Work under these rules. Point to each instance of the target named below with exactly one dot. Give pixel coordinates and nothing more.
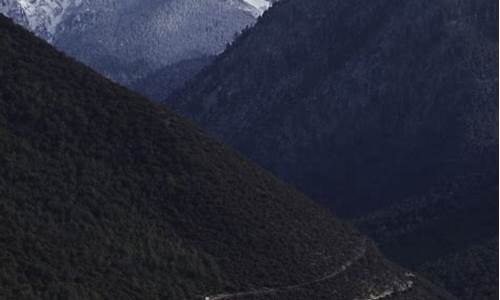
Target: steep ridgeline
(383, 110)
(127, 39)
(105, 195)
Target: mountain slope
(130, 39)
(434, 233)
(126, 40)
(385, 111)
(481, 284)
(107, 195)
(294, 95)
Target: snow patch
(45, 15)
(257, 7)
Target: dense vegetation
(429, 231)
(480, 276)
(386, 111)
(105, 195)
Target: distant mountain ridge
(44, 17)
(128, 39)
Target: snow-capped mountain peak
(45, 15)
(127, 39)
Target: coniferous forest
(318, 149)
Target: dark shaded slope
(104, 194)
(358, 103)
(442, 221)
(446, 234)
(481, 275)
(382, 110)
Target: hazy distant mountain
(383, 110)
(106, 195)
(128, 39)
(158, 85)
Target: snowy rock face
(257, 7)
(13, 9)
(40, 16)
(128, 39)
(44, 16)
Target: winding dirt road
(358, 254)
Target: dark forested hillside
(105, 195)
(386, 111)
(449, 234)
(347, 99)
(472, 265)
